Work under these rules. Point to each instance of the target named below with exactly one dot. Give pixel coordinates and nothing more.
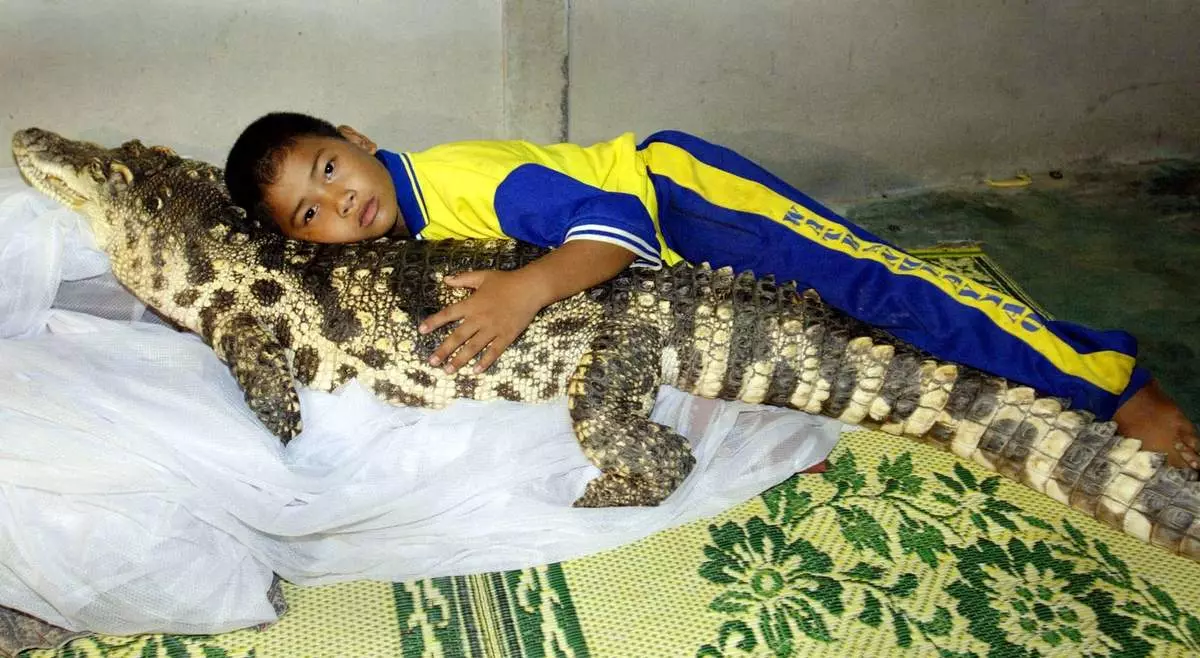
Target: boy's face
(332, 190)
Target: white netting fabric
(139, 493)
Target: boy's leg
(719, 207)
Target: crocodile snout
(30, 140)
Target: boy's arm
(504, 302)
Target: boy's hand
(502, 305)
(504, 302)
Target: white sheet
(139, 493)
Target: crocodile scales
(280, 311)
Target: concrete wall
(840, 97)
(847, 96)
(192, 74)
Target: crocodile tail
(760, 342)
(1009, 429)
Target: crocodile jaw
(53, 171)
(82, 176)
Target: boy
(673, 197)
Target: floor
(1109, 246)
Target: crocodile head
(116, 189)
(166, 222)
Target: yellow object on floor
(1020, 180)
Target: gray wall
(192, 74)
(841, 97)
(844, 96)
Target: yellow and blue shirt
(545, 195)
(677, 197)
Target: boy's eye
(309, 214)
(328, 169)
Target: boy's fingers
(1189, 450)
(1185, 444)
(468, 351)
(1189, 455)
(494, 350)
(468, 279)
(447, 315)
(452, 343)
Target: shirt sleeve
(539, 205)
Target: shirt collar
(408, 190)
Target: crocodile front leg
(610, 397)
(260, 366)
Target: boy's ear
(358, 139)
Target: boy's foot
(1152, 416)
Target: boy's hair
(254, 160)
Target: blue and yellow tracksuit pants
(716, 206)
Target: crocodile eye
(96, 171)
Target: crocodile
(280, 312)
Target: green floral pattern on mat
(950, 566)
